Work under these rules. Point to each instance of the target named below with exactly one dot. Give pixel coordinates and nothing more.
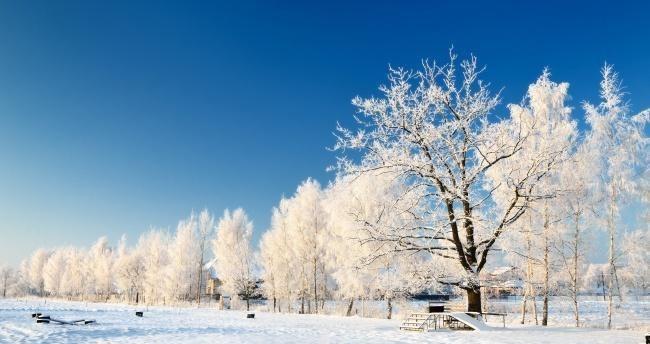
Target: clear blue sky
(118, 116)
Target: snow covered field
(118, 324)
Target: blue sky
(118, 116)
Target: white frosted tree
(36, 263)
(129, 272)
(100, 263)
(153, 248)
(544, 119)
(7, 279)
(576, 204)
(346, 255)
(23, 285)
(621, 144)
(183, 252)
(269, 258)
(233, 253)
(636, 259)
(360, 266)
(431, 127)
(363, 208)
(279, 265)
(205, 231)
(595, 279)
(53, 271)
(306, 224)
(75, 278)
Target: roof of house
(210, 267)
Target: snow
(471, 322)
(117, 323)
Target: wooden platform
(456, 321)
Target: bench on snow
(46, 319)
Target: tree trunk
(275, 302)
(473, 300)
(610, 285)
(546, 291)
(535, 308)
(248, 304)
(528, 288)
(198, 286)
(390, 309)
(546, 267)
(602, 284)
(576, 257)
(302, 305)
(523, 307)
(315, 288)
(349, 312)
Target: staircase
(419, 322)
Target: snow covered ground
(118, 324)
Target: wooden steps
(457, 321)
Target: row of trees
(162, 267)
(439, 186)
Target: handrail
(425, 321)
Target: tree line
(432, 184)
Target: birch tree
(183, 253)
(53, 271)
(36, 263)
(100, 259)
(545, 119)
(364, 267)
(307, 221)
(204, 234)
(76, 277)
(621, 144)
(636, 271)
(279, 265)
(7, 277)
(232, 249)
(129, 271)
(577, 203)
(153, 248)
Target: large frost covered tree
(431, 126)
(233, 253)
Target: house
(212, 282)
(503, 281)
